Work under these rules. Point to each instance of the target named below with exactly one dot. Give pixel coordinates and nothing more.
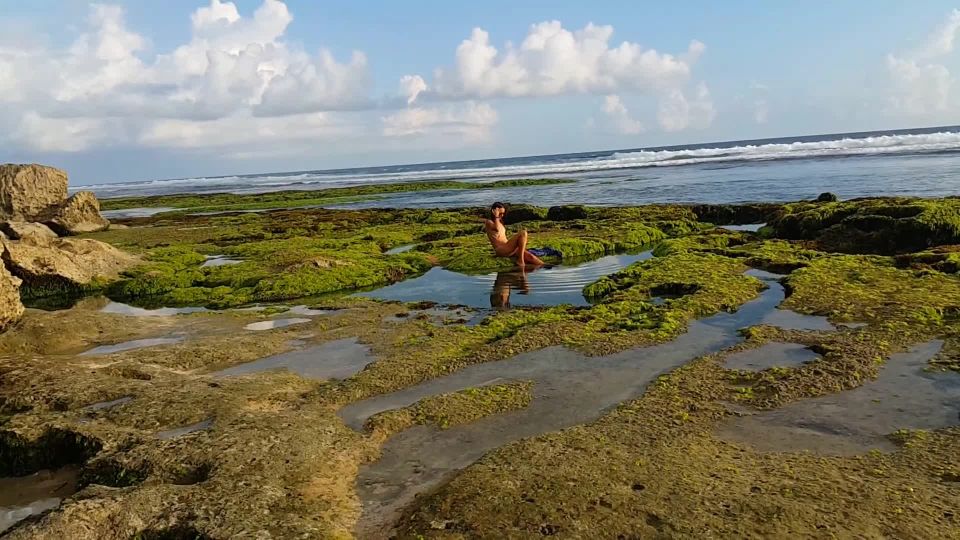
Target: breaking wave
(568, 164)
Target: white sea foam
(557, 165)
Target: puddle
(181, 431)
(773, 354)
(443, 315)
(785, 318)
(219, 260)
(332, 360)
(904, 396)
(133, 311)
(108, 404)
(853, 325)
(25, 496)
(747, 227)
(275, 323)
(134, 212)
(399, 249)
(545, 286)
(130, 345)
(306, 311)
(569, 389)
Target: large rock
(80, 214)
(566, 213)
(31, 192)
(20, 230)
(10, 307)
(64, 264)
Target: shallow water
(24, 496)
(185, 430)
(108, 404)
(773, 354)
(399, 249)
(904, 396)
(748, 227)
(785, 318)
(133, 311)
(219, 260)
(444, 315)
(275, 323)
(332, 360)
(134, 212)
(545, 286)
(307, 311)
(131, 345)
(569, 389)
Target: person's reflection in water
(511, 279)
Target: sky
(143, 90)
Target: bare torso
(497, 234)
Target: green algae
(650, 467)
(452, 409)
(877, 225)
(225, 202)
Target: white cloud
(246, 136)
(918, 88)
(472, 121)
(676, 112)
(552, 60)
(941, 41)
(232, 66)
(619, 117)
(411, 86)
(921, 84)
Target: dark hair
(496, 205)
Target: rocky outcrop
(64, 264)
(566, 213)
(11, 309)
(31, 192)
(79, 214)
(33, 232)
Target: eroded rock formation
(64, 264)
(79, 214)
(31, 192)
(11, 309)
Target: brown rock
(10, 307)
(19, 230)
(80, 214)
(31, 192)
(64, 264)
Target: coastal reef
(208, 372)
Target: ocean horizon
(889, 162)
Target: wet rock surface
(25, 496)
(904, 397)
(530, 420)
(569, 389)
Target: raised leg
(521, 248)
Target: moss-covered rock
(881, 225)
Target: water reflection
(546, 286)
(504, 283)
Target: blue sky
(133, 90)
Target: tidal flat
(630, 413)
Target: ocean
(921, 162)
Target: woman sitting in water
(516, 246)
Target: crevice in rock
(55, 448)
